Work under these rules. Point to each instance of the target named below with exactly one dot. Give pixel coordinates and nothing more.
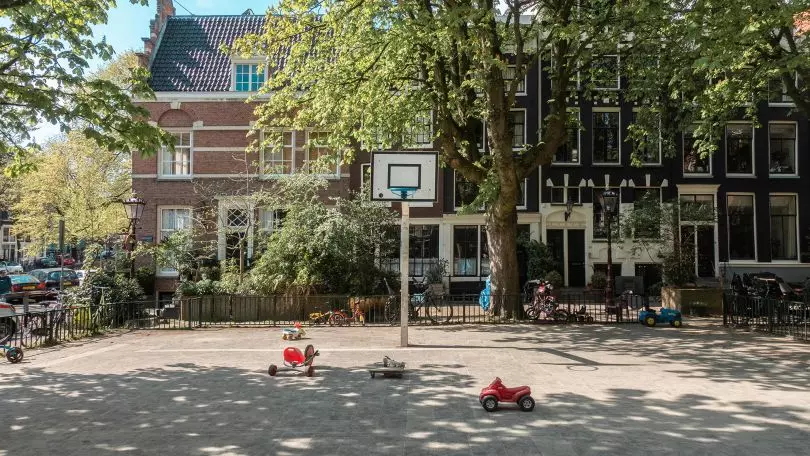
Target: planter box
(699, 302)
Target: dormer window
(247, 77)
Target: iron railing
(782, 317)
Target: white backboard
(404, 169)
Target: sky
(128, 23)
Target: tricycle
(650, 317)
(497, 392)
(294, 332)
(295, 359)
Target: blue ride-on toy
(650, 317)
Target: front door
(698, 240)
(555, 239)
(576, 258)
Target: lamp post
(134, 209)
(610, 200)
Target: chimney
(165, 9)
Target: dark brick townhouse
(754, 180)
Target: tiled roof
(188, 58)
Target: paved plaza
(623, 390)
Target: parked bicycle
(544, 304)
(340, 318)
(436, 308)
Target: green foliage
(116, 288)
(44, 64)
(319, 247)
(77, 181)
(180, 251)
(146, 279)
(599, 280)
(437, 271)
(539, 258)
(555, 278)
(678, 267)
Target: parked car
(24, 285)
(46, 262)
(51, 277)
(83, 273)
(66, 260)
(12, 267)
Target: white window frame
(798, 227)
(660, 140)
(785, 102)
(525, 127)
(593, 137)
(618, 73)
(235, 62)
(170, 272)
(508, 78)
(683, 156)
(479, 260)
(566, 195)
(579, 141)
(728, 226)
(164, 150)
(307, 151)
(223, 229)
(6, 236)
(753, 149)
(695, 223)
(263, 147)
(525, 204)
(423, 145)
(577, 78)
(266, 214)
(795, 124)
(455, 180)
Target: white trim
(224, 128)
(167, 97)
(168, 272)
(798, 227)
(593, 136)
(618, 74)
(753, 149)
(578, 112)
(795, 124)
(686, 174)
(293, 148)
(728, 225)
(307, 147)
(143, 176)
(429, 144)
(221, 149)
(660, 143)
(525, 82)
(253, 61)
(455, 180)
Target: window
(518, 129)
(172, 220)
(784, 235)
(320, 159)
(777, 92)
(599, 213)
(465, 191)
(741, 227)
(470, 250)
(424, 249)
(271, 219)
(480, 132)
(521, 198)
(569, 151)
(693, 162)
(605, 137)
(7, 236)
(782, 138)
(605, 72)
(278, 152)
(647, 212)
(420, 133)
(696, 208)
(647, 149)
(561, 195)
(509, 75)
(177, 163)
(739, 149)
(248, 77)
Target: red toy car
(496, 392)
(294, 358)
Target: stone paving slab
(623, 390)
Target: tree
(44, 62)
(76, 180)
(371, 72)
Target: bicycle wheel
(337, 319)
(392, 311)
(532, 311)
(438, 311)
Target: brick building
(753, 180)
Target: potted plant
(434, 276)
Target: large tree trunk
(502, 242)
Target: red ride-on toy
(497, 392)
(294, 359)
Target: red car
(68, 260)
(497, 392)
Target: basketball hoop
(403, 192)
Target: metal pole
(61, 254)
(404, 246)
(131, 241)
(609, 288)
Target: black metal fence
(775, 316)
(50, 324)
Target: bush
(555, 278)
(539, 258)
(678, 269)
(436, 272)
(599, 280)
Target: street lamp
(610, 200)
(134, 209)
(569, 208)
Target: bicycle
(436, 308)
(42, 325)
